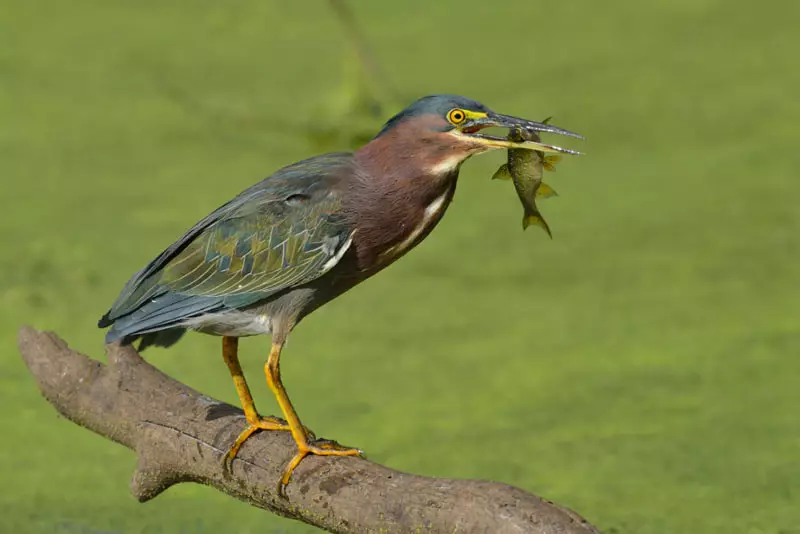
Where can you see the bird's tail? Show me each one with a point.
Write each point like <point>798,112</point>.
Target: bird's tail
<point>105,320</point>
<point>162,338</point>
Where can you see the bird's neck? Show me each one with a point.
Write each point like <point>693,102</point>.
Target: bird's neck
<point>397,200</point>
<point>410,156</point>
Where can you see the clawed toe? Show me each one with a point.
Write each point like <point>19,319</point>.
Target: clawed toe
<point>318,447</point>
<point>323,447</point>
<point>262,423</point>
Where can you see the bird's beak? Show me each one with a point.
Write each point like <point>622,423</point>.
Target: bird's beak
<point>478,121</point>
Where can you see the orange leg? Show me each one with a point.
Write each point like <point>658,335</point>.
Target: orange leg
<point>305,445</point>
<point>230,352</point>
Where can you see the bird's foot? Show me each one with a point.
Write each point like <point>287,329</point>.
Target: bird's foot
<point>253,426</point>
<point>319,447</point>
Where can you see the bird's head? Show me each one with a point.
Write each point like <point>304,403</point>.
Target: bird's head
<point>444,130</point>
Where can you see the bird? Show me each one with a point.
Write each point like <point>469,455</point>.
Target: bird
<point>303,236</point>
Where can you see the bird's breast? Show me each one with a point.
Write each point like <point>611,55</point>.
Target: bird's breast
<point>431,215</point>
<point>396,224</point>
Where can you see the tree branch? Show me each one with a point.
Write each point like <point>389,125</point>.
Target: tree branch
<point>181,435</point>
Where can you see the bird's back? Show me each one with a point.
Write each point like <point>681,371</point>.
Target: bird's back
<point>284,231</point>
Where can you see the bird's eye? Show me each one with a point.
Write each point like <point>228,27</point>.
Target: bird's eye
<point>456,116</point>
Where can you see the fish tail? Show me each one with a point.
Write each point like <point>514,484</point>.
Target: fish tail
<point>537,219</point>
<point>502,173</point>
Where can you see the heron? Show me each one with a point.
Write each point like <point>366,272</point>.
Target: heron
<point>301,237</point>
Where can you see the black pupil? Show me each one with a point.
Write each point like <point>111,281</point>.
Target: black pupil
<point>457,115</point>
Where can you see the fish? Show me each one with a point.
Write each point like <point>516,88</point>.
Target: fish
<point>526,168</point>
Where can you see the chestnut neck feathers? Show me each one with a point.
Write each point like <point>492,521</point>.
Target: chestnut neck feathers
<point>406,179</point>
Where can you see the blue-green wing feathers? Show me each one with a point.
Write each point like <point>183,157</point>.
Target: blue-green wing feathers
<point>283,232</point>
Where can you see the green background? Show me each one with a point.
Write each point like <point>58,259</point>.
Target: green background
<point>641,368</point>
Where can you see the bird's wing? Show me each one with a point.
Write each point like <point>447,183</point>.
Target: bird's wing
<point>285,231</point>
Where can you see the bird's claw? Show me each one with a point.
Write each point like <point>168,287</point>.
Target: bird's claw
<point>329,444</point>
<point>318,447</point>
<point>262,423</point>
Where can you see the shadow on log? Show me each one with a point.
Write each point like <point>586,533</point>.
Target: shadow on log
<point>181,435</point>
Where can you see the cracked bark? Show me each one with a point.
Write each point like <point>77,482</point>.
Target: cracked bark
<point>180,435</point>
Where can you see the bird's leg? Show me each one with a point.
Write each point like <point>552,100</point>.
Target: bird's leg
<point>230,352</point>
<point>305,446</point>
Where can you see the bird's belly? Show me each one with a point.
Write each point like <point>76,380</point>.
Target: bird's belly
<point>234,323</point>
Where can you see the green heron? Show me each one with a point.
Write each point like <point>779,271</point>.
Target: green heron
<point>302,237</point>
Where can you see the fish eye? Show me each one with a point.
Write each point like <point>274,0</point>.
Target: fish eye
<point>456,116</point>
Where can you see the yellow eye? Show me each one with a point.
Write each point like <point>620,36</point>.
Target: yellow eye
<point>456,116</point>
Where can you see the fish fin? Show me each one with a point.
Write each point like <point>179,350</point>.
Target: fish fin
<point>502,173</point>
<point>538,220</point>
<point>549,162</point>
<point>545,191</point>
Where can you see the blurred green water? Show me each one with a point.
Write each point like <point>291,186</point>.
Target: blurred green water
<point>641,368</point>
